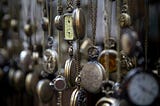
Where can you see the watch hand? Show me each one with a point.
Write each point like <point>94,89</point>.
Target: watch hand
<point>146,90</point>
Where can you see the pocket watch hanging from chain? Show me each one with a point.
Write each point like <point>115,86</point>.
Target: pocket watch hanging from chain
<point>92,73</point>
<point>108,57</point>
<point>79,95</point>
<point>70,64</point>
<point>50,55</point>
<point>59,83</point>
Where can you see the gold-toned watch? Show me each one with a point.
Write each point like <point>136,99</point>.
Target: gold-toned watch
<point>79,24</point>
<point>70,72</point>
<point>44,90</point>
<point>125,19</point>
<point>78,97</point>
<point>108,58</point>
<point>50,61</point>
<point>107,101</point>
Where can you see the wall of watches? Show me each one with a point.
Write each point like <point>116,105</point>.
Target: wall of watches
<point>79,53</point>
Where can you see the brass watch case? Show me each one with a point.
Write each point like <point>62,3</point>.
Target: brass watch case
<point>70,72</point>
<point>19,79</point>
<point>79,23</point>
<point>92,76</point>
<point>58,22</point>
<point>50,58</point>
<point>26,60</point>
<point>125,20</point>
<point>78,98</point>
<point>31,82</point>
<point>108,58</point>
<point>44,90</point>
<point>107,101</point>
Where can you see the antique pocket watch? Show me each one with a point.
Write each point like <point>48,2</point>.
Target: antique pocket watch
<point>78,98</point>
<point>93,73</point>
<point>110,56</point>
<point>140,88</point>
<point>70,71</point>
<point>50,61</point>
<point>59,83</point>
<point>26,60</point>
<point>31,82</point>
<point>79,23</point>
<point>19,79</point>
<point>107,101</point>
<point>92,76</point>
<point>125,20</point>
<point>44,90</point>
<point>128,41</point>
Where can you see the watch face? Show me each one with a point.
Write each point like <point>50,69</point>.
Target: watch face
<point>49,61</point>
<point>143,89</point>
<point>108,59</point>
<point>69,35</point>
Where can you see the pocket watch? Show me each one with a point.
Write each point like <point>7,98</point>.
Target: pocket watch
<point>68,27</point>
<point>50,61</point>
<point>70,72</point>
<point>14,24</point>
<point>31,82</point>
<point>79,23</point>
<point>11,76</point>
<point>59,83</point>
<point>107,101</point>
<point>44,23</point>
<point>108,58</point>
<point>92,76</point>
<point>125,20</point>
<point>141,88</point>
<point>19,79</point>
<point>28,29</point>
<point>44,90</point>
<point>58,22</point>
<point>26,60</point>
<point>128,41</point>
<point>78,97</point>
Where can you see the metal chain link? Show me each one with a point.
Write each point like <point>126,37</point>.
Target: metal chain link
<point>93,18</point>
<point>107,20</point>
<point>59,7</point>
<point>69,3</point>
<point>59,103</point>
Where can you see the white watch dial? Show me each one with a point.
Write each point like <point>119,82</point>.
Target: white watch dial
<point>143,89</point>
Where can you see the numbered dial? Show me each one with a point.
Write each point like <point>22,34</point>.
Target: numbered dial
<point>143,89</point>
<point>69,34</point>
